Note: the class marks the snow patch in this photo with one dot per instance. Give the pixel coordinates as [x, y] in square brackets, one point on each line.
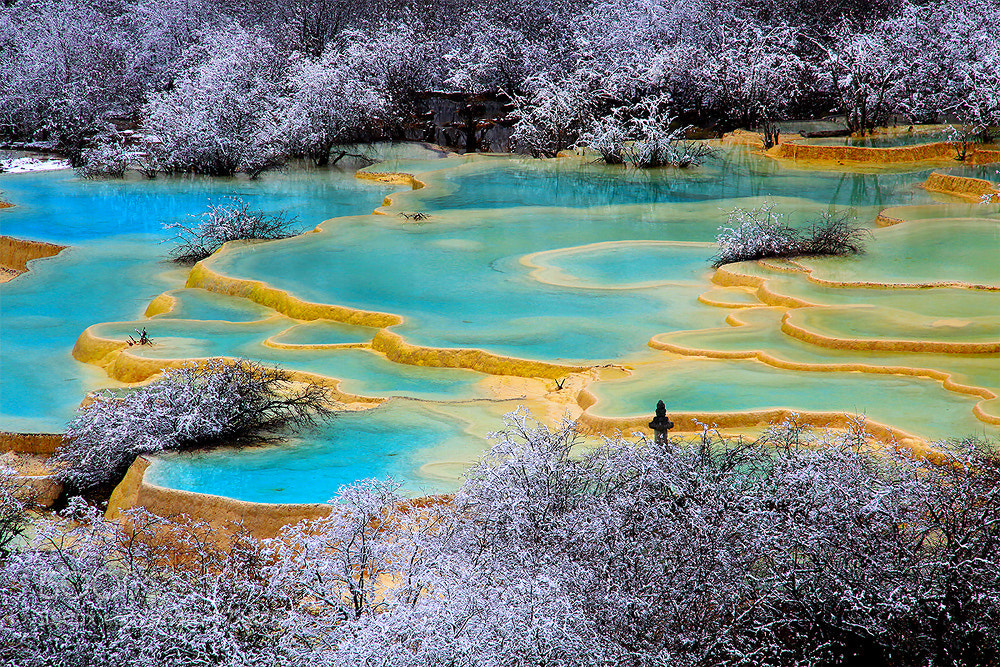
[21, 165]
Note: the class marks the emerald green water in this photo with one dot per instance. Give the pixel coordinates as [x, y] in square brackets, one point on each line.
[550, 260]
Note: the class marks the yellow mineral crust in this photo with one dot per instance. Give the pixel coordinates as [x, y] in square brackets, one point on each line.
[395, 348]
[731, 276]
[933, 152]
[16, 253]
[695, 422]
[797, 330]
[729, 297]
[262, 520]
[162, 304]
[283, 302]
[271, 342]
[40, 444]
[515, 379]
[121, 364]
[946, 379]
[541, 271]
[390, 178]
[974, 189]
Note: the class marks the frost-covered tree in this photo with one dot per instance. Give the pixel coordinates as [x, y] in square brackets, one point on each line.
[488, 56]
[555, 112]
[63, 71]
[312, 26]
[214, 402]
[978, 105]
[330, 101]
[221, 113]
[68, 68]
[401, 62]
[946, 46]
[644, 135]
[864, 69]
[755, 75]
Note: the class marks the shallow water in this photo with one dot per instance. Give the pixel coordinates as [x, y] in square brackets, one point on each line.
[882, 141]
[310, 467]
[559, 261]
[115, 266]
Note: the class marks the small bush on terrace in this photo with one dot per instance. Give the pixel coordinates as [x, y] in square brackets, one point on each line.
[216, 402]
[232, 221]
[758, 233]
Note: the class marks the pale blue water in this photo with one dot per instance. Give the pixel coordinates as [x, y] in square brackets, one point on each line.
[388, 441]
[463, 278]
[115, 266]
[567, 183]
[199, 304]
[743, 386]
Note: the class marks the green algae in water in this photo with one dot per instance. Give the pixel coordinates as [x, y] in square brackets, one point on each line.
[945, 251]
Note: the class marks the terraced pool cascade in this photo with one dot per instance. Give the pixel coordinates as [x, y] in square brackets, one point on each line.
[714, 391]
[115, 266]
[485, 282]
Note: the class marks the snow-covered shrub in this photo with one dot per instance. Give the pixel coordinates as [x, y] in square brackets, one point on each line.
[108, 157]
[666, 149]
[644, 136]
[759, 232]
[231, 221]
[753, 234]
[13, 509]
[607, 137]
[835, 234]
[805, 547]
[215, 402]
[658, 141]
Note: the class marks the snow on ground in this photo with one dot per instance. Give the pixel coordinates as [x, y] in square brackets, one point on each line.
[20, 165]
